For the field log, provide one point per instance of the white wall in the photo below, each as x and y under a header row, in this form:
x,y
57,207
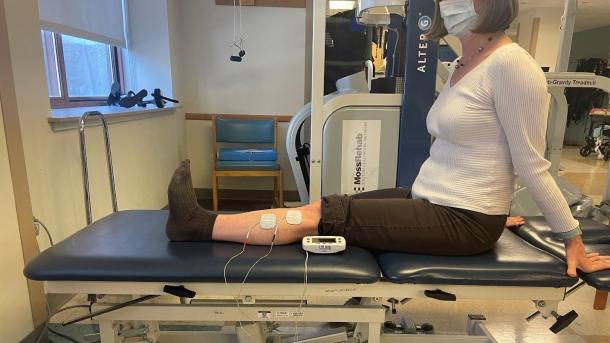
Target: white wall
x,y
526,22
145,151
269,80
15,314
149,58
549,35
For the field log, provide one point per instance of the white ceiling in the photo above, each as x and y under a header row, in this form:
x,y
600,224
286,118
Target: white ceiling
x,y
591,13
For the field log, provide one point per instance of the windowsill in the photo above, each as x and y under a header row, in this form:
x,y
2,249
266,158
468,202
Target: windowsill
x,y
68,118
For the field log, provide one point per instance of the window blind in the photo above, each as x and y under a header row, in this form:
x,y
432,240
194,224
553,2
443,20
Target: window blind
x,y
100,21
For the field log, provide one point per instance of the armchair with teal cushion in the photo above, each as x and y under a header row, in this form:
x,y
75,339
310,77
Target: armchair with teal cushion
x,y
250,162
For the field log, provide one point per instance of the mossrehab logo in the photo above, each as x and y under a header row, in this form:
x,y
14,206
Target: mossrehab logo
x,y
571,83
358,163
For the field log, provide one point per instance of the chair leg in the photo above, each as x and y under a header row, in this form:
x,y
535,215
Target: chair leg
x,y
281,187
215,190
601,299
276,195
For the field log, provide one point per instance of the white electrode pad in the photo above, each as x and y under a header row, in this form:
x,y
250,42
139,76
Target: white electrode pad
x,y
268,221
294,217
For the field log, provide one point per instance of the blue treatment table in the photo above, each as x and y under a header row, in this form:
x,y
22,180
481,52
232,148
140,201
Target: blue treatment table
x,y
127,254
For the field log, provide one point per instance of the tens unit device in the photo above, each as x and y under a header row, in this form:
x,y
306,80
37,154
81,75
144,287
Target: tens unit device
x,y
323,244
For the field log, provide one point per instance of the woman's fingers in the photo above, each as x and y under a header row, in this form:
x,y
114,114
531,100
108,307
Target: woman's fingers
x,y
601,263
514,221
594,266
598,258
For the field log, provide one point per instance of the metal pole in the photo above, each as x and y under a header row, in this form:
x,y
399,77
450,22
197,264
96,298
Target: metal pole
x,y
567,32
556,126
317,98
556,129
109,164
84,165
369,43
606,198
83,153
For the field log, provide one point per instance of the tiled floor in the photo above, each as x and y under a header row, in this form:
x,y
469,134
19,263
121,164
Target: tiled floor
x,y
505,319
586,173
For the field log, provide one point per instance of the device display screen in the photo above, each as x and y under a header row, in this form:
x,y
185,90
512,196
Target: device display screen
x,y
323,240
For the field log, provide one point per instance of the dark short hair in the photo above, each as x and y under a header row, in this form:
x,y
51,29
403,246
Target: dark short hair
x,y
497,16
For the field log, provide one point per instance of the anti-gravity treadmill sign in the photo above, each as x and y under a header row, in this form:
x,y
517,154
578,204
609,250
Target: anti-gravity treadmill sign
x,y
361,148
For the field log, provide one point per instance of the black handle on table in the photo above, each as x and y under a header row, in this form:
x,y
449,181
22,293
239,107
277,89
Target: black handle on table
x,y
179,291
564,321
440,295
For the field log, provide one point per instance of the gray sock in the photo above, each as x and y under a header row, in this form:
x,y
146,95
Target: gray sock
x,y
187,220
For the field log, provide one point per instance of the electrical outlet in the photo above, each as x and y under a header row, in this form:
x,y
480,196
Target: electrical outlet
x,y
37,229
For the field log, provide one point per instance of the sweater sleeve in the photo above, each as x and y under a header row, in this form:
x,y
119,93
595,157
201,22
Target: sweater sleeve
x,y
521,99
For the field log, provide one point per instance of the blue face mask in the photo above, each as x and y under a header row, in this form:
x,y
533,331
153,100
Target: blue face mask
x,y
459,17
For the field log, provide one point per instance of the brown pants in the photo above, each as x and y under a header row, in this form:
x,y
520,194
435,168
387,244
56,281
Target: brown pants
x,y
391,220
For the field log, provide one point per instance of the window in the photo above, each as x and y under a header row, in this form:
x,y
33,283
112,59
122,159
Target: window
x,y
80,72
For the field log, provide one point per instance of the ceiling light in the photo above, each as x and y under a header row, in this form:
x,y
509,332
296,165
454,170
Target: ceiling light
x,y
342,5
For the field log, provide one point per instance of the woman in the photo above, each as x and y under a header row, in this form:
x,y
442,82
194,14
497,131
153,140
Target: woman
x,y
489,121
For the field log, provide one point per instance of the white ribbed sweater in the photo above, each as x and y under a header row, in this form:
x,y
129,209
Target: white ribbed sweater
x,y
488,126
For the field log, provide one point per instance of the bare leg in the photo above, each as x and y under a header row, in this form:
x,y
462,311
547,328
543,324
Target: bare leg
x,y
233,228
190,222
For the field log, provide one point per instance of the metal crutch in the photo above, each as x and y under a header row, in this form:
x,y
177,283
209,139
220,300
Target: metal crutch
x,y
83,152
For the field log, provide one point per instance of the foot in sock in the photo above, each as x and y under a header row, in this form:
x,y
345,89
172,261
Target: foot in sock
x,y
187,220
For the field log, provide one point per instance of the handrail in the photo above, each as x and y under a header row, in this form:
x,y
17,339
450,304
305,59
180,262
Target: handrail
x,y
83,150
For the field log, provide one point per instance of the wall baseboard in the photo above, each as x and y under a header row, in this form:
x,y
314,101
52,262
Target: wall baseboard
x,y
266,3
574,143
245,194
33,336
209,116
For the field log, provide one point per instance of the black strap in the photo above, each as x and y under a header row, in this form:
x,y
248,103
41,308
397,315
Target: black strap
x,y
303,157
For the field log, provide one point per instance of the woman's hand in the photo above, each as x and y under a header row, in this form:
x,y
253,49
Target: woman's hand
x,y
578,258
514,221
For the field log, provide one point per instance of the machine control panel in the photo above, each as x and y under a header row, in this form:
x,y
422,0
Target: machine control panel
x,y
324,244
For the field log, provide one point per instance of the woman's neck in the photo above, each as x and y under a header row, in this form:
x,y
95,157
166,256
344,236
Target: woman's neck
x,y
472,44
